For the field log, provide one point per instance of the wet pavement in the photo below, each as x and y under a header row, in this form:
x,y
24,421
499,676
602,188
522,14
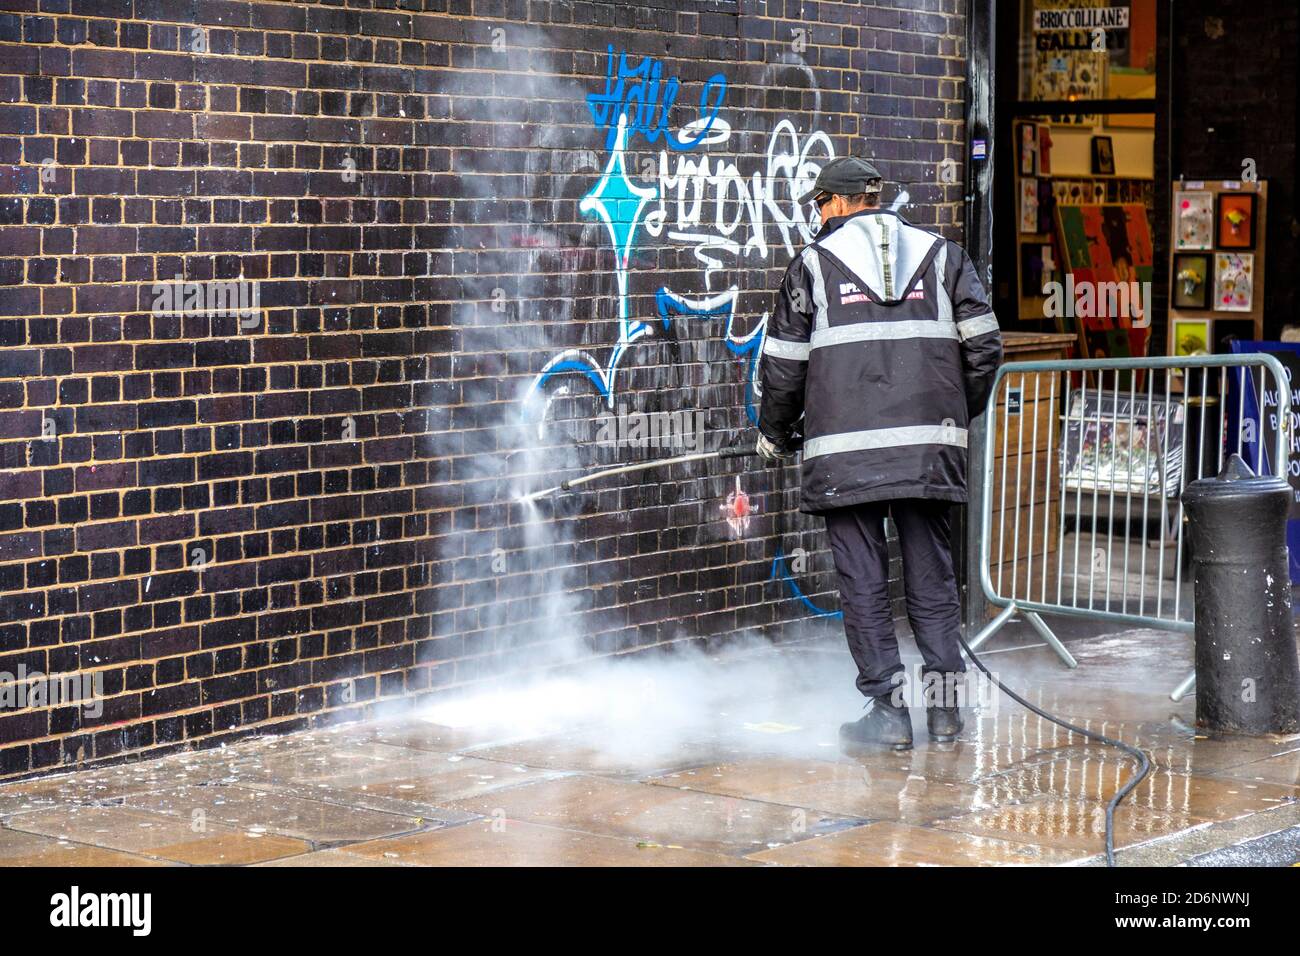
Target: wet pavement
x,y
687,760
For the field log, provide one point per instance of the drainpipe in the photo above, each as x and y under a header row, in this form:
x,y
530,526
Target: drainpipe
x,y
978,230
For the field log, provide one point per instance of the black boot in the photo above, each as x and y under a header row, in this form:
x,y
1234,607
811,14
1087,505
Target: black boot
x,y
884,724
944,723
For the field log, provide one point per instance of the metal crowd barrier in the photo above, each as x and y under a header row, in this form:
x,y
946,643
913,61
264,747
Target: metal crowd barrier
x,y
1083,467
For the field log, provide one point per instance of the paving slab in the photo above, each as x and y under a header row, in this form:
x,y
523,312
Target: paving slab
x,y
31,849
157,835
255,811
499,842
593,752
1283,768
652,814
1097,775
1070,824
890,843
846,788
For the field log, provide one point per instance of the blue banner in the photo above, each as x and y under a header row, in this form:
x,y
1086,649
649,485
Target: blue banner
x,y
1257,426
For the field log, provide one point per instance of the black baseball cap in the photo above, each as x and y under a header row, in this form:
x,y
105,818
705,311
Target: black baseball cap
x,y
845,176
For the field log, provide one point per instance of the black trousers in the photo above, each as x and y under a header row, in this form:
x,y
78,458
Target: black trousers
x,y
857,539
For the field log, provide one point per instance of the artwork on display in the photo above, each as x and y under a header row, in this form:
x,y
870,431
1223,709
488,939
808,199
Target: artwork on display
x,y
1112,440
1073,192
1103,156
1235,222
1112,241
1108,244
1195,219
1073,76
1191,336
1044,150
1028,149
1067,192
1066,65
1234,281
1029,205
1216,263
1191,285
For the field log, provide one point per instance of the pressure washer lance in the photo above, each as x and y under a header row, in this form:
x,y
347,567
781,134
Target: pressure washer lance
x,y
740,448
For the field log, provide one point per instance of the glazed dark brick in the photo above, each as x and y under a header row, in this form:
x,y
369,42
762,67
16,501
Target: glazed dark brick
x,y
297,518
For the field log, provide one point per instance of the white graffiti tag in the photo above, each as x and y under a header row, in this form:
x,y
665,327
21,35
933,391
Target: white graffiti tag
x,y
704,200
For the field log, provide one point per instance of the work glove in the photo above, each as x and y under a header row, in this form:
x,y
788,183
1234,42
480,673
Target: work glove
x,y
771,452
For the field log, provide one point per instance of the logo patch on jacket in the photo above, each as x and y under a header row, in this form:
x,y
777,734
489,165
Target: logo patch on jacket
x,y
918,291
850,293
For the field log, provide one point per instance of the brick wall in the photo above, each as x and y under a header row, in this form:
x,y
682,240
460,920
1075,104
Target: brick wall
x,y
254,514
1235,98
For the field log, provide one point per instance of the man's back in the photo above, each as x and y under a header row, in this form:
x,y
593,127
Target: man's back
x,y
883,339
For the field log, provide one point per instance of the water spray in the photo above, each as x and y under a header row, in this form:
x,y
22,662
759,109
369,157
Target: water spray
x,y
742,448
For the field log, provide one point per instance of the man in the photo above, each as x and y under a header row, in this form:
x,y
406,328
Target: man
x,y
884,343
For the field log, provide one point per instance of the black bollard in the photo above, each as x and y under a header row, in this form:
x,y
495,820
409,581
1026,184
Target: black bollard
x,y
1247,674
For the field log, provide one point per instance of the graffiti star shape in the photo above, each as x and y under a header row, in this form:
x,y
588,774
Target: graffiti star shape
x,y
618,201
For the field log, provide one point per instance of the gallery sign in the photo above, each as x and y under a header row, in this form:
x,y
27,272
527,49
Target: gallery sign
x,y
1081,18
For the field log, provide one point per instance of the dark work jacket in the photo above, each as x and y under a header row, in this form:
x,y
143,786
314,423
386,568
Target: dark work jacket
x,y
884,342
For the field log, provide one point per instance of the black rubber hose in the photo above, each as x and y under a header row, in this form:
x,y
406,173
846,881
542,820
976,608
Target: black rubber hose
x,y
738,450
1144,763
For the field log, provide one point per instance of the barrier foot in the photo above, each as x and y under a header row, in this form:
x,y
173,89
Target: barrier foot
x,y
1046,633
992,627
1181,690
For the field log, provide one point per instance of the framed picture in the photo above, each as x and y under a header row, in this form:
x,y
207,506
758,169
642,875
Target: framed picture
x,y
1028,149
1191,336
1191,281
1234,281
1235,223
1029,205
1103,156
1108,242
1194,214
1111,438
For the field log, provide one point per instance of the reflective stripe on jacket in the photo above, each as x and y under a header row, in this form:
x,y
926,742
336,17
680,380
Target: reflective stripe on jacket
x,y
884,342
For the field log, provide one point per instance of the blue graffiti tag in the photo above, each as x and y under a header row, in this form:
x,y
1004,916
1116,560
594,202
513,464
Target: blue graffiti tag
x,y
643,96
749,347
781,571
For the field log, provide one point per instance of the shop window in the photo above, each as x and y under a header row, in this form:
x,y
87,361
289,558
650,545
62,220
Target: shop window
x,y
1083,189
1073,50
